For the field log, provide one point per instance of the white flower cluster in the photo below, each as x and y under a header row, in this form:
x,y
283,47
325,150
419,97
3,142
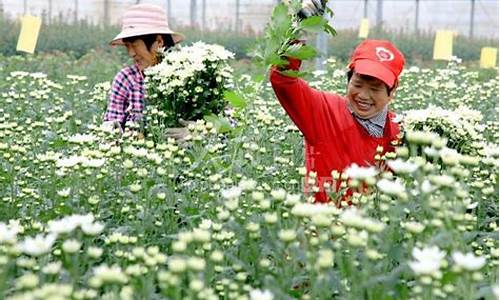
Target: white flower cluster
x,y
427,260
460,126
189,82
41,244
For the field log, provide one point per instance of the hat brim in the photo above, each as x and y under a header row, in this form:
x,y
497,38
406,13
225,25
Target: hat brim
x,y
118,40
374,69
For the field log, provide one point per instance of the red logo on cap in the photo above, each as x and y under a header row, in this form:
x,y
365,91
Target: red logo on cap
x,y
383,54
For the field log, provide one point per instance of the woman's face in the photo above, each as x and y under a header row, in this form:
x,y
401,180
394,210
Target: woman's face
x,y
143,57
367,95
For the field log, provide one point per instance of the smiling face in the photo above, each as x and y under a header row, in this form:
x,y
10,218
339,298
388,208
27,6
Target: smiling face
x,y
367,95
139,52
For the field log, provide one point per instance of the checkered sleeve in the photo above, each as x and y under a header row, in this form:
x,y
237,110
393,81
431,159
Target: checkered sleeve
x,y
118,98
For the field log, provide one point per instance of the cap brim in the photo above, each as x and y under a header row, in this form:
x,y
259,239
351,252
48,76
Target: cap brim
x,y
374,69
118,40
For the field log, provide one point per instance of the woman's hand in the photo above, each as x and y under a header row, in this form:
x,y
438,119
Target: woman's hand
x,y
179,134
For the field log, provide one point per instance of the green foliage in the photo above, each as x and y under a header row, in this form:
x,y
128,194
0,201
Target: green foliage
x,y
234,99
221,124
282,35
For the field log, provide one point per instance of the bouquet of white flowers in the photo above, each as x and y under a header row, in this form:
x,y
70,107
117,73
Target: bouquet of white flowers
x,y
461,127
187,84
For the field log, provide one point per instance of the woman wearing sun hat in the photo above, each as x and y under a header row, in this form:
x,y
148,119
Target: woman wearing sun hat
x,y
144,30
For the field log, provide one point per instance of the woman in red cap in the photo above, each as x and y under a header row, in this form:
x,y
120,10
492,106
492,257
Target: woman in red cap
x,y
144,30
341,130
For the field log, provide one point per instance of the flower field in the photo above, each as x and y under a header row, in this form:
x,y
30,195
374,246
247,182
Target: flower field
x,y
88,214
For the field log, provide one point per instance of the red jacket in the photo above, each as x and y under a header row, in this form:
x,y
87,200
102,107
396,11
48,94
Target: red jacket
x,y
333,138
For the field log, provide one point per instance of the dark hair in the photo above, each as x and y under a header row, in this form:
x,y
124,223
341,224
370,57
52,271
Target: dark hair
x,y
368,77
149,40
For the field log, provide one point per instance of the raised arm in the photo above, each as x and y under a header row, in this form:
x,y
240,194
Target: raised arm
x,y
306,106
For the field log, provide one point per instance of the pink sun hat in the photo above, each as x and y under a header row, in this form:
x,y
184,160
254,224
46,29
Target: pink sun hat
x,y
144,19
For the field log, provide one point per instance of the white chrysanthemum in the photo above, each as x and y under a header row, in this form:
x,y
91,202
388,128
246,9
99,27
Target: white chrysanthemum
x,y
82,138
8,234
71,246
287,235
201,235
413,227
177,264
420,137
356,172
325,258
310,209
64,192
279,194
69,161
442,180
70,223
232,193
427,260
65,225
354,217
38,245
261,295
431,151
20,74
459,127
205,224
426,187
196,263
468,261
104,274
52,268
449,156
247,184
93,163
92,228
402,167
82,219
391,187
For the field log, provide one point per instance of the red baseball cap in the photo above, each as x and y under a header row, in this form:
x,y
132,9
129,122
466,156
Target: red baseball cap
x,y
379,59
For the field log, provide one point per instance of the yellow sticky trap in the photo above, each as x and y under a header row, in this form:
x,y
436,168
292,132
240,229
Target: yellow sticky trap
x,y
30,27
488,57
364,28
443,45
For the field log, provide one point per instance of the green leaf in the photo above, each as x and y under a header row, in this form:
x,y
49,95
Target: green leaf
x,y
313,24
301,51
275,59
330,30
280,12
221,124
293,73
235,99
272,44
281,21
329,12
258,78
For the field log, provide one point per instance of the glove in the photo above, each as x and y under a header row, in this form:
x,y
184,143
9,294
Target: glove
x,y
312,8
179,134
111,126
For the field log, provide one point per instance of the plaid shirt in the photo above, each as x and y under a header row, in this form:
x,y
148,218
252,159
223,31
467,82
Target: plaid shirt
x,y
127,96
375,125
